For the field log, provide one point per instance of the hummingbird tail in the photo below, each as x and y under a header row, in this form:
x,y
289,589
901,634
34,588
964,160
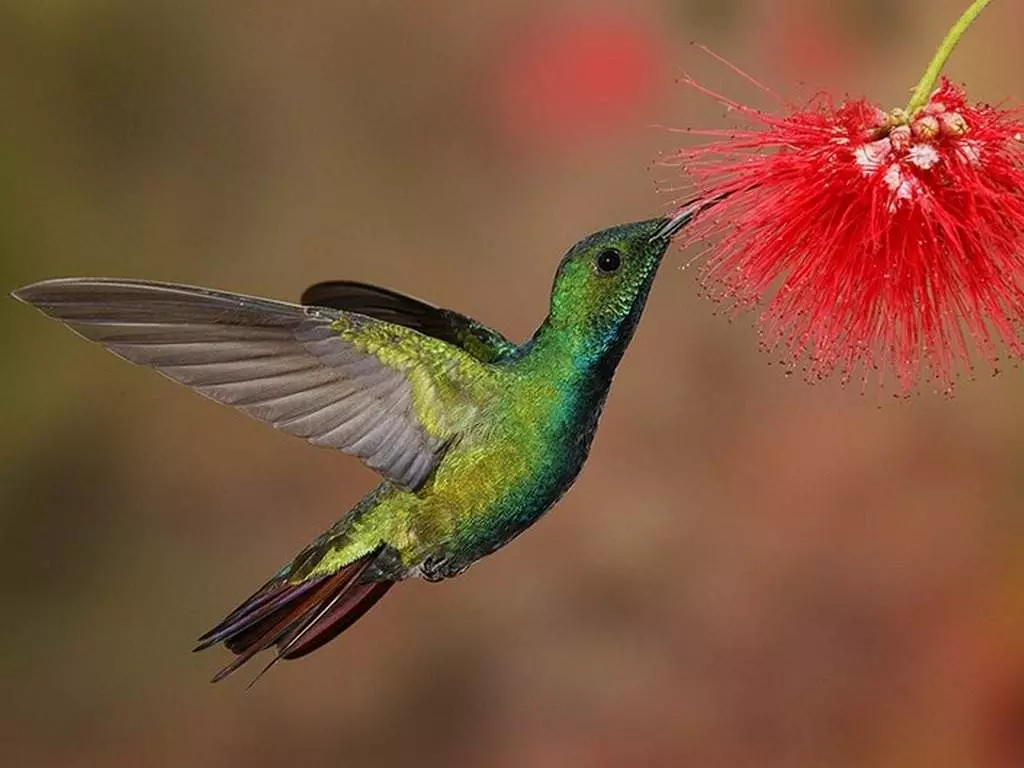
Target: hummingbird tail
x,y
295,618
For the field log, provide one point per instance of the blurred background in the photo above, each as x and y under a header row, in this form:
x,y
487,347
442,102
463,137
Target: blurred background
x,y
750,572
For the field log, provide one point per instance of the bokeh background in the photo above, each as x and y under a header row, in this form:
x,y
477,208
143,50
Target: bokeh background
x,y
750,572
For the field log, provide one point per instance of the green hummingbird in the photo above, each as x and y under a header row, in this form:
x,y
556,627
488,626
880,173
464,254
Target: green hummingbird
x,y
475,436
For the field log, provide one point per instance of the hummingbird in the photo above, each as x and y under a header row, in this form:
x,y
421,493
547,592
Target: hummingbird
x,y
475,436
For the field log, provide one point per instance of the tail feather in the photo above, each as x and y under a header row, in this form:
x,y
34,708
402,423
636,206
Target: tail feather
x,y
262,624
260,636
354,603
267,601
297,618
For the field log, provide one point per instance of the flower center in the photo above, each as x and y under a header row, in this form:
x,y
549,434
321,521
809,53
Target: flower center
x,y
903,150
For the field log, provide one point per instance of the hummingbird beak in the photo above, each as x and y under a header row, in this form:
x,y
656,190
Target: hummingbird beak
x,y
686,214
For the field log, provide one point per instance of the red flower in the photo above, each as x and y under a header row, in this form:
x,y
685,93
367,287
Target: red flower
x,y
880,240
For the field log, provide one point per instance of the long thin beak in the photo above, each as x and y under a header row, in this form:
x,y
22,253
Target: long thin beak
x,y
686,214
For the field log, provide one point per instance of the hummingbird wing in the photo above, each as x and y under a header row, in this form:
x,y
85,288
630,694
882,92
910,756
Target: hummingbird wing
x,y
386,393
481,341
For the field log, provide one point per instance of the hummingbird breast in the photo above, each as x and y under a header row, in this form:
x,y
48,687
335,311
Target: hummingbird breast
x,y
500,479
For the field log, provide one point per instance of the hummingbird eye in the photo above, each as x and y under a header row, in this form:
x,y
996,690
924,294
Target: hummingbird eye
x,y
608,261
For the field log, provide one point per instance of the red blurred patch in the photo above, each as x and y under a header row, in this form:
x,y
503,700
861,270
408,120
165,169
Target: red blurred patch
x,y
573,77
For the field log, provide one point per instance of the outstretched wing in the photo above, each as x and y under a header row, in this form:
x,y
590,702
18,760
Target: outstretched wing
x,y
385,393
484,343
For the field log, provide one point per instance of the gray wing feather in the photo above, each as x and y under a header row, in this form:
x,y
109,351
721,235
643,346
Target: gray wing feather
x,y
280,363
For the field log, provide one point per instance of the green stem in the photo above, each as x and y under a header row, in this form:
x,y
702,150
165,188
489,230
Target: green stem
x,y
924,89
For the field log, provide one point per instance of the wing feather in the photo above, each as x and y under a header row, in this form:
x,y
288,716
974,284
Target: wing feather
x,y
338,379
482,342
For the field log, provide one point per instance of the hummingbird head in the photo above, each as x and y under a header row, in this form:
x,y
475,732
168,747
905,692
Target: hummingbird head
x,y
603,281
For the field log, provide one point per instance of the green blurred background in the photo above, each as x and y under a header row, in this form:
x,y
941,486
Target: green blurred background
x,y
750,572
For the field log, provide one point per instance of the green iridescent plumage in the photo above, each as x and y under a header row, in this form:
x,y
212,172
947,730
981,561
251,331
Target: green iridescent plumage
x,y
476,437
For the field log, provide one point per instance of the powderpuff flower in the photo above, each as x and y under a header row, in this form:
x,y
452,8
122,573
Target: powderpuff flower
x,y
876,240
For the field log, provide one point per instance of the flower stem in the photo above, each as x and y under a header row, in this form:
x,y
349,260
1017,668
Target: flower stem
x,y
931,75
